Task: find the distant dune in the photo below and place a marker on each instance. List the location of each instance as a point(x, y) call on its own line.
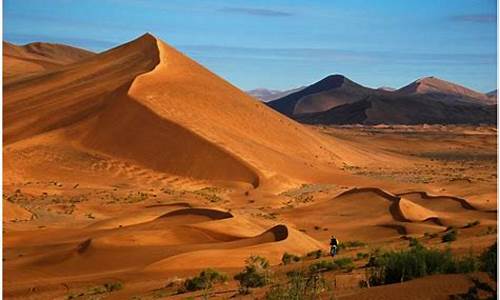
point(37, 57)
point(444, 90)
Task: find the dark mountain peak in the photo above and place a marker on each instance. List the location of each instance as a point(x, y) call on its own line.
point(331, 82)
point(333, 90)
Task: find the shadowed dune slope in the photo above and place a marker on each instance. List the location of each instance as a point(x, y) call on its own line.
point(46, 102)
point(144, 101)
point(323, 95)
point(408, 109)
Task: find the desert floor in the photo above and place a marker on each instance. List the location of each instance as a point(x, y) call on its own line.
point(84, 219)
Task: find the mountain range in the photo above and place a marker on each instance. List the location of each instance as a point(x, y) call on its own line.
point(267, 95)
point(339, 100)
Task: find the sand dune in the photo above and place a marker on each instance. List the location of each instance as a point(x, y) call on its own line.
point(368, 213)
point(270, 244)
point(435, 86)
point(38, 57)
point(414, 212)
point(163, 97)
point(161, 244)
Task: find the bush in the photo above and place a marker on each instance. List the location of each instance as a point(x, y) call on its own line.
point(362, 255)
point(344, 264)
point(323, 266)
point(450, 236)
point(113, 286)
point(314, 254)
point(398, 266)
point(204, 281)
point(351, 244)
point(92, 292)
point(288, 258)
point(466, 264)
point(489, 261)
point(414, 243)
point(254, 275)
point(300, 285)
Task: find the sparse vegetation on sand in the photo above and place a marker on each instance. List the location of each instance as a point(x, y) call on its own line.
point(300, 285)
point(204, 282)
point(314, 254)
point(351, 244)
point(288, 258)
point(96, 292)
point(450, 235)
point(330, 265)
point(255, 274)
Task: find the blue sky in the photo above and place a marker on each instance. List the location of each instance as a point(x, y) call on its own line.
point(284, 44)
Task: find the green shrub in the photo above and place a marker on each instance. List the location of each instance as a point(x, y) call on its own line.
point(204, 281)
point(288, 258)
point(344, 264)
point(489, 261)
point(450, 236)
point(466, 264)
point(91, 293)
point(362, 255)
point(414, 243)
point(255, 274)
point(323, 266)
point(314, 254)
point(351, 244)
point(398, 266)
point(113, 286)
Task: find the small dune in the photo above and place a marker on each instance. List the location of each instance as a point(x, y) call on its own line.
point(414, 212)
point(367, 213)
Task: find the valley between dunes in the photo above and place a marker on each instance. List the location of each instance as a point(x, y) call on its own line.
point(141, 166)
